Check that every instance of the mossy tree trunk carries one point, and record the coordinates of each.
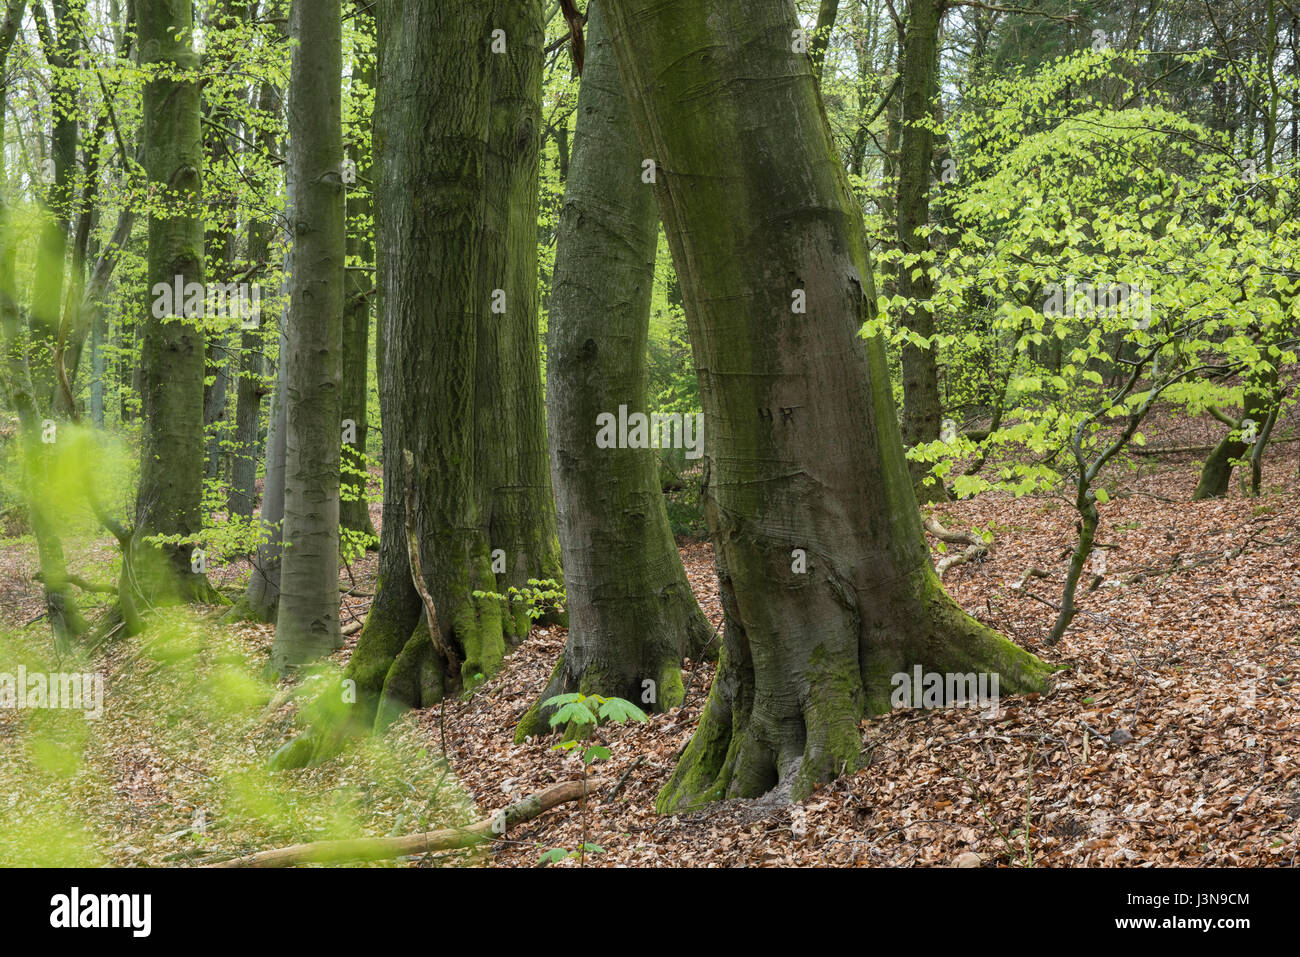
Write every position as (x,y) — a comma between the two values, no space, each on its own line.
(307,625)
(456,141)
(1216,474)
(826,581)
(632,616)
(511,464)
(921,405)
(169,497)
(1260,402)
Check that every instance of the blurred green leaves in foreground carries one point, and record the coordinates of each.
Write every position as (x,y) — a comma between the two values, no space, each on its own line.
(175,771)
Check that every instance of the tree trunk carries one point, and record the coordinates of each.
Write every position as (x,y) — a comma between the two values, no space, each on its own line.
(219,243)
(921,407)
(354,510)
(249,391)
(219,357)
(456,150)
(168,501)
(1216,473)
(261,600)
(513,474)
(307,626)
(60,601)
(97,369)
(251,387)
(632,616)
(826,16)
(61,43)
(825,577)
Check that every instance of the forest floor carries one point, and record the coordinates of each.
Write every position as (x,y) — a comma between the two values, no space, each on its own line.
(1198,660)
(1171,734)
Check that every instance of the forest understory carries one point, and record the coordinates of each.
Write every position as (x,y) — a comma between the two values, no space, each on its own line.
(650,433)
(1168,737)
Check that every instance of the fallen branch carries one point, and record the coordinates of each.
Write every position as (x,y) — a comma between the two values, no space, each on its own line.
(976,545)
(1188,449)
(1033,571)
(447,839)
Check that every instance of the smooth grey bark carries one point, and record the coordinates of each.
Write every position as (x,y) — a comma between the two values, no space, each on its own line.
(97,370)
(251,388)
(219,250)
(307,625)
(632,616)
(261,599)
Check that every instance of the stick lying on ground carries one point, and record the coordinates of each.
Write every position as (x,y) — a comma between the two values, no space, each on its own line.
(447,839)
(977,546)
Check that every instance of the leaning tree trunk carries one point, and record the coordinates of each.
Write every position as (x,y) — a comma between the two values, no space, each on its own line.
(921,407)
(826,581)
(1259,403)
(307,626)
(169,498)
(632,616)
(827,13)
(448,129)
(1216,474)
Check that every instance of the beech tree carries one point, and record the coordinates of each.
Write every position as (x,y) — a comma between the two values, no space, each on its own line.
(60,40)
(921,406)
(632,616)
(307,625)
(22,393)
(169,497)
(359,282)
(826,582)
(261,599)
(250,389)
(457,154)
